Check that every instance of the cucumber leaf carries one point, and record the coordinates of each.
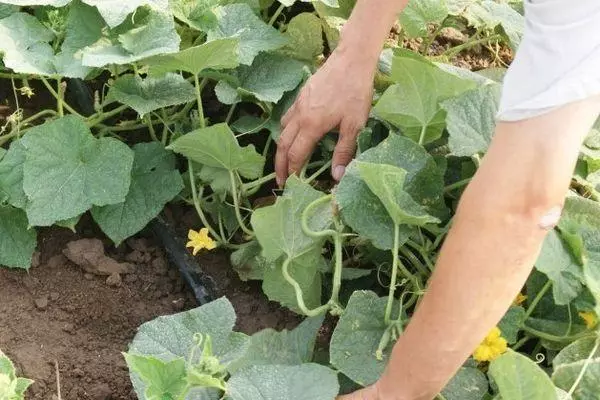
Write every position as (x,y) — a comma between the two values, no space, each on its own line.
(413,102)
(269,77)
(269,346)
(471,119)
(11,176)
(196,14)
(163,379)
(418,14)
(362,210)
(114,12)
(239,21)
(284,382)
(150,94)
(17,240)
(67,170)
(217,54)
(468,384)
(154,182)
(356,338)
(216,146)
(568,365)
(519,378)
(305,38)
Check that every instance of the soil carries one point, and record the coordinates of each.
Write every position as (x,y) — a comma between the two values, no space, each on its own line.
(64,313)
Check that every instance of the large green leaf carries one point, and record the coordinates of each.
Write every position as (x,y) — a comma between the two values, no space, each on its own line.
(197,14)
(511,323)
(305,37)
(278,227)
(519,378)
(171,337)
(149,94)
(365,213)
(413,103)
(342,10)
(248,262)
(471,119)
(284,382)
(239,21)
(418,14)
(67,170)
(386,182)
(217,54)
(53,3)
(357,336)
(16,386)
(468,384)
(17,241)
(25,45)
(114,12)
(557,263)
(269,77)
(216,146)
(11,176)
(568,365)
(269,347)
(154,182)
(490,14)
(8,9)
(149,33)
(305,270)
(163,379)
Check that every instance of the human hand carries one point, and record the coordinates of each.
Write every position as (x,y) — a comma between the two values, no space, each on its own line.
(369,393)
(338,95)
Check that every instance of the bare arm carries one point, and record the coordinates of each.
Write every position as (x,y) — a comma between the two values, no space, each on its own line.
(339,95)
(491,248)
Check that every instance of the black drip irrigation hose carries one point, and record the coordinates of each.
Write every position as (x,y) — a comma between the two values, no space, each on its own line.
(201,283)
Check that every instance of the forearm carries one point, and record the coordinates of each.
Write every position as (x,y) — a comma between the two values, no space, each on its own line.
(490,250)
(369,25)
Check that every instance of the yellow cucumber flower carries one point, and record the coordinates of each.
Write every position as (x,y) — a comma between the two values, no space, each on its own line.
(26,91)
(492,347)
(520,299)
(591,320)
(200,240)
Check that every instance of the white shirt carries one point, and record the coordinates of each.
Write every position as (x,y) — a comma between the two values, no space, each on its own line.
(558,61)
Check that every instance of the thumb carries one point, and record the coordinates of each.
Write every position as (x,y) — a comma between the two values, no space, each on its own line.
(344,150)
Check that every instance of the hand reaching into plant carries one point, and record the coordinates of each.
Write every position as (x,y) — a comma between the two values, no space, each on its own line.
(338,96)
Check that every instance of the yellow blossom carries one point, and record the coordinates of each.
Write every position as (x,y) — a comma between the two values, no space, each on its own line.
(200,240)
(26,91)
(520,299)
(591,320)
(493,346)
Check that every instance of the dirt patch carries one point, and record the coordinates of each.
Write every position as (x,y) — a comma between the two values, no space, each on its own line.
(63,312)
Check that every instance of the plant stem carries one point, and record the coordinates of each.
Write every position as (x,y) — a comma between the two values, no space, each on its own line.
(298,290)
(337,271)
(585,367)
(304,219)
(199,101)
(423,253)
(197,203)
(455,50)
(60,99)
(554,338)
(236,202)
(422,135)
(427,43)
(457,185)
(395,262)
(230,113)
(277,14)
(251,185)
(314,176)
(521,342)
(92,122)
(151,129)
(537,299)
(60,102)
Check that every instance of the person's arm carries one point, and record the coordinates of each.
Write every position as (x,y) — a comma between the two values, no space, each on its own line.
(504,214)
(340,93)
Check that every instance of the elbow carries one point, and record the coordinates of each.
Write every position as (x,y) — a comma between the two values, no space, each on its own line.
(532,208)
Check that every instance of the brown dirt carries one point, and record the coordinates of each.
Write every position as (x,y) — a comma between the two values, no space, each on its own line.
(83,321)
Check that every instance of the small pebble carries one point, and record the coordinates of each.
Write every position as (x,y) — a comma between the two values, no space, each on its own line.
(114,280)
(41,303)
(88,277)
(78,373)
(54,296)
(69,328)
(35,259)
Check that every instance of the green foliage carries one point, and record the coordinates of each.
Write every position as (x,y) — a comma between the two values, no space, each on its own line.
(207,83)
(11,386)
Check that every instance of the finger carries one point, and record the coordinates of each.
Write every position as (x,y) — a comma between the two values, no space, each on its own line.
(301,150)
(345,149)
(287,117)
(281,157)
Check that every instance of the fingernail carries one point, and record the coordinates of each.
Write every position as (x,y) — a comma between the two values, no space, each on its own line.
(338,172)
